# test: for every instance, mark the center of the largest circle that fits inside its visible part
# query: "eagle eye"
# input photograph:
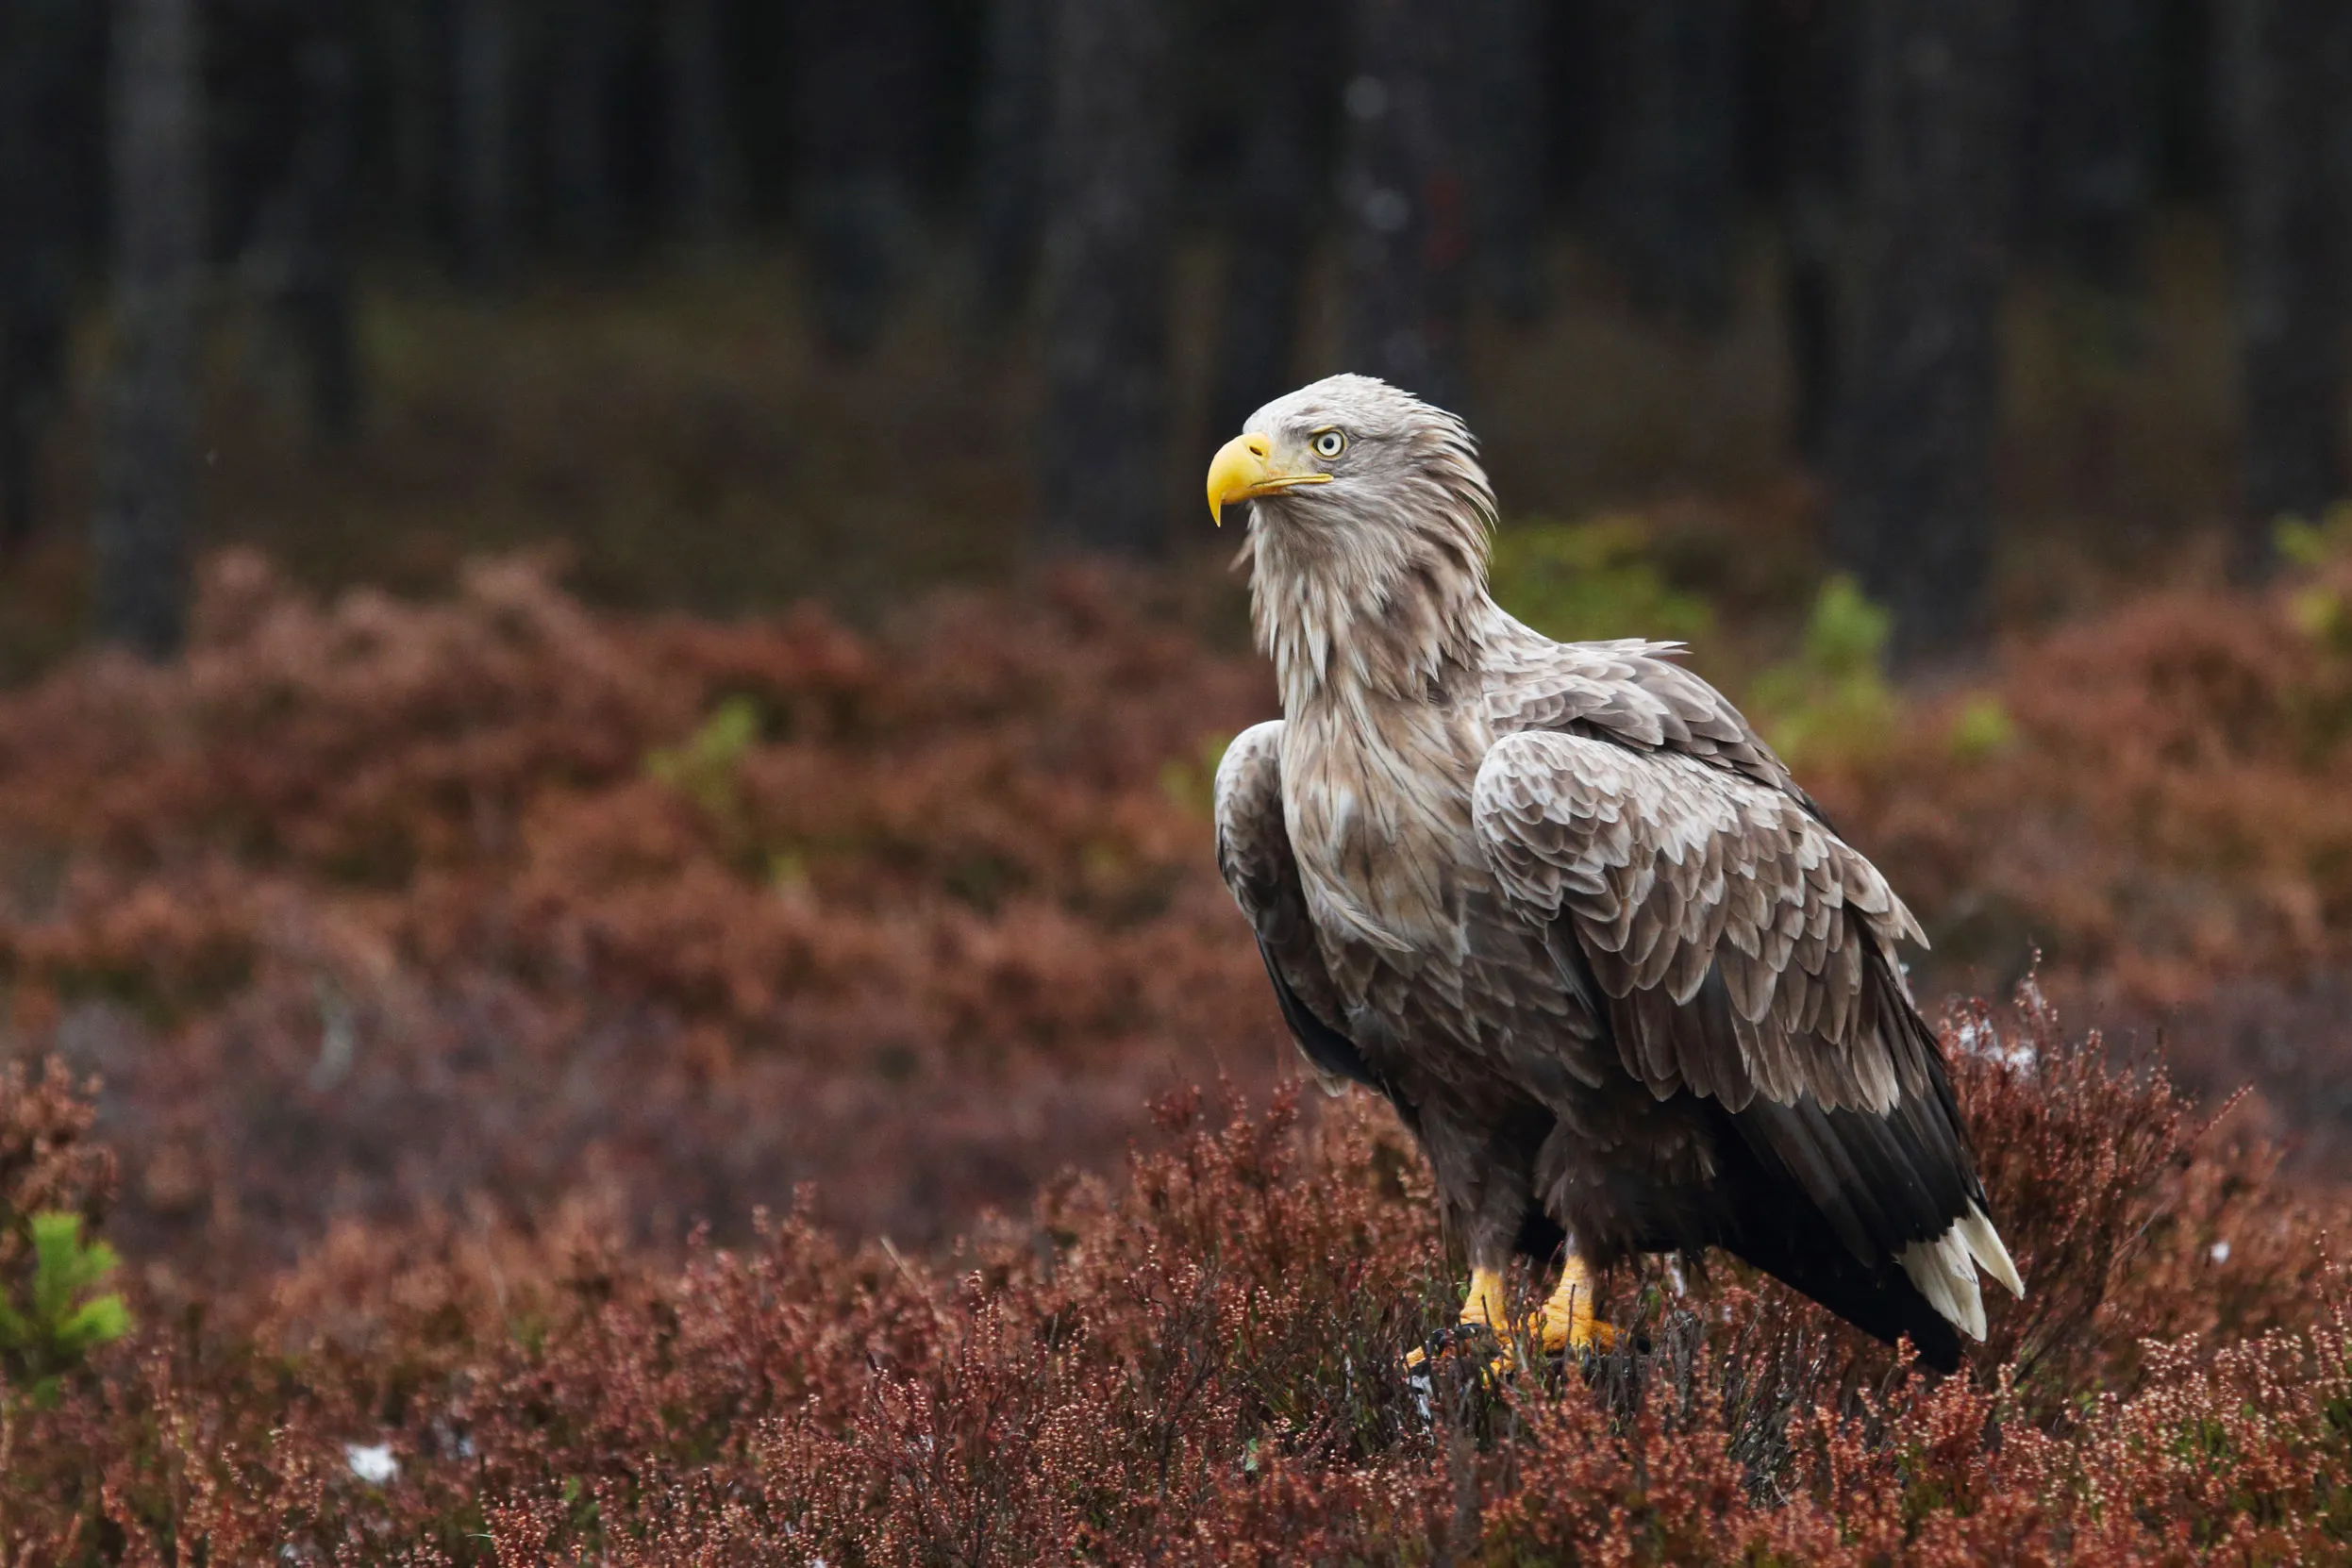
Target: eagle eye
(1329, 444)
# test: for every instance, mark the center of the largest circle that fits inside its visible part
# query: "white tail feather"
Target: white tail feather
(1945, 1270)
(1947, 1278)
(1984, 1244)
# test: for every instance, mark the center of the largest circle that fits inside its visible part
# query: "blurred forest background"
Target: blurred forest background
(604, 613)
(614, 592)
(744, 301)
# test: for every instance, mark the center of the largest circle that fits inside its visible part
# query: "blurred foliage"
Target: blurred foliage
(1192, 781)
(2320, 550)
(933, 879)
(49, 1329)
(1981, 729)
(1830, 700)
(703, 767)
(1592, 581)
(2304, 542)
(706, 767)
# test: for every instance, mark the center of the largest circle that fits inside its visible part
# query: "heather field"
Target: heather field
(561, 1084)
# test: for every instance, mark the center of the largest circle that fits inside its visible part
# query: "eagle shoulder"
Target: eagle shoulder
(1633, 691)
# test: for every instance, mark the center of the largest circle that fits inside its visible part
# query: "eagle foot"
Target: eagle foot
(1481, 1330)
(1465, 1340)
(1566, 1326)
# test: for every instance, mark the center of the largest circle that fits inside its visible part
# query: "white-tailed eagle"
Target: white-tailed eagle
(1561, 905)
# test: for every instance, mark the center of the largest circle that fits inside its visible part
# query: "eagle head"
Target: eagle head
(1386, 457)
(1369, 527)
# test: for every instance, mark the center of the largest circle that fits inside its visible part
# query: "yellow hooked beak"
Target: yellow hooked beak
(1243, 468)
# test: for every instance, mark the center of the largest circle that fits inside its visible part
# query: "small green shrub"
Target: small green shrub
(1192, 781)
(2304, 542)
(2320, 550)
(703, 766)
(1831, 698)
(1981, 729)
(706, 771)
(51, 1331)
(1586, 581)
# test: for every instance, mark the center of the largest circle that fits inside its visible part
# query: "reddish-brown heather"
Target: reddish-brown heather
(382, 905)
(445, 962)
(2168, 809)
(49, 1163)
(1202, 1363)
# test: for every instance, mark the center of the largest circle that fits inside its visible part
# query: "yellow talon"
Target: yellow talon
(1488, 1302)
(1567, 1321)
(1564, 1324)
(1486, 1308)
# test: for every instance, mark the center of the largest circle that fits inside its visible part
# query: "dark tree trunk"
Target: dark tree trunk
(579, 125)
(861, 88)
(481, 143)
(1912, 516)
(406, 45)
(2091, 136)
(1276, 201)
(1111, 184)
(1508, 48)
(315, 223)
(1008, 194)
(37, 53)
(2288, 65)
(704, 181)
(1405, 203)
(138, 545)
(1671, 164)
(1813, 55)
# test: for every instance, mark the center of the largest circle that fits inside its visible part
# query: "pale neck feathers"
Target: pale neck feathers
(1381, 602)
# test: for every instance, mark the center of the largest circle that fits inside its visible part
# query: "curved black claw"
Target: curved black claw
(1586, 1358)
(1453, 1339)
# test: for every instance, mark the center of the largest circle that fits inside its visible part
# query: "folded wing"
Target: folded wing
(1253, 853)
(1747, 956)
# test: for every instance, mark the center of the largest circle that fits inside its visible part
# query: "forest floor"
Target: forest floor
(570, 1079)
(441, 963)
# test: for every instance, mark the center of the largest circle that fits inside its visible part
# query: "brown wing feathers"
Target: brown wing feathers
(1746, 954)
(1883, 1180)
(1631, 692)
(1253, 853)
(1676, 874)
